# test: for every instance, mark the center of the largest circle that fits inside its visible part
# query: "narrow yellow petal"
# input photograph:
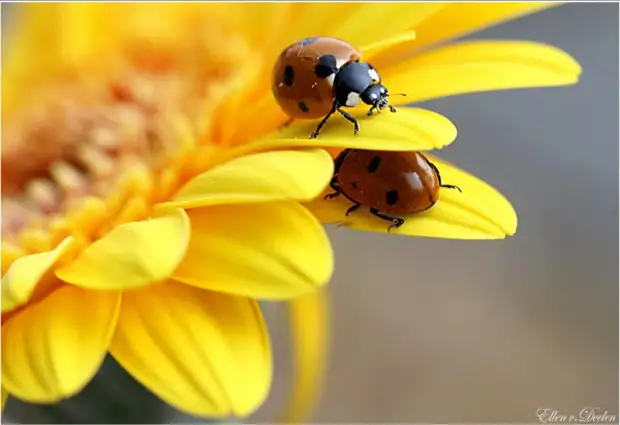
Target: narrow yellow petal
(374, 49)
(52, 349)
(21, 280)
(477, 66)
(405, 130)
(459, 18)
(479, 212)
(205, 353)
(5, 395)
(132, 255)
(309, 316)
(395, 18)
(350, 21)
(261, 177)
(270, 251)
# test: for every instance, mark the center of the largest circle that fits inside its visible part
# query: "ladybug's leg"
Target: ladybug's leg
(334, 182)
(323, 121)
(447, 186)
(451, 186)
(351, 209)
(287, 123)
(334, 185)
(396, 222)
(351, 118)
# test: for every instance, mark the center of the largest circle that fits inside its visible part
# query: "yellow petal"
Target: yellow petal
(272, 251)
(479, 212)
(350, 21)
(397, 18)
(457, 19)
(478, 66)
(407, 129)
(52, 349)
(132, 255)
(460, 18)
(371, 51)
(310, 337)
(5, 395)
(261, 177)
(205, 353)
(24, 275)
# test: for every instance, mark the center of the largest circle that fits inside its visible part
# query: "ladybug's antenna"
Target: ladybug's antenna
(396, 94)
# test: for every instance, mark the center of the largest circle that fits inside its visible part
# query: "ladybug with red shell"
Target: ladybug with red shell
(318, 76)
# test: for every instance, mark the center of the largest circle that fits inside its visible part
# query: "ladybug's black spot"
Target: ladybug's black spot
(391, 197)
(374, 164)
(308, 40)
(326, 66)
(302, 105)
(354, 185)
(289, 74)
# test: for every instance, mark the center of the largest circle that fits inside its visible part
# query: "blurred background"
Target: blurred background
(464, 331)
(458, 331)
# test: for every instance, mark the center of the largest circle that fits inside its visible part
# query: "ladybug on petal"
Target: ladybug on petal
(391, 183)
(318, 76)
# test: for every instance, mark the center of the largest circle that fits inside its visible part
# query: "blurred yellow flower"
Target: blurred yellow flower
(156, 199)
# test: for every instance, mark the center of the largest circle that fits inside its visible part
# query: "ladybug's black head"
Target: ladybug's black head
(375, 95)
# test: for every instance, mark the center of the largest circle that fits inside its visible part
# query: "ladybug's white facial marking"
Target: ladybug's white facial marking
(353, 99)
(374, 75)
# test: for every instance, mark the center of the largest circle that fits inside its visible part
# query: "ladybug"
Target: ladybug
(317, 76)
(392, 183)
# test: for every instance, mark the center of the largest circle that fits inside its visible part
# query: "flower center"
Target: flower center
(90, 156)
(103, 142)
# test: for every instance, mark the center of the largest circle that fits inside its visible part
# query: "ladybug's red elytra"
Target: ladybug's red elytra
(317, 76)
(394, 183)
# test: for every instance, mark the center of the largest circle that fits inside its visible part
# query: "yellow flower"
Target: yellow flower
(157, 200)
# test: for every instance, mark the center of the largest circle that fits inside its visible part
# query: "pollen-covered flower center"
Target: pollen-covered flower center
(92, 145)
(80, 141)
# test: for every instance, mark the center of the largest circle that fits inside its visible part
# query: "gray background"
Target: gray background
(460, 331)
